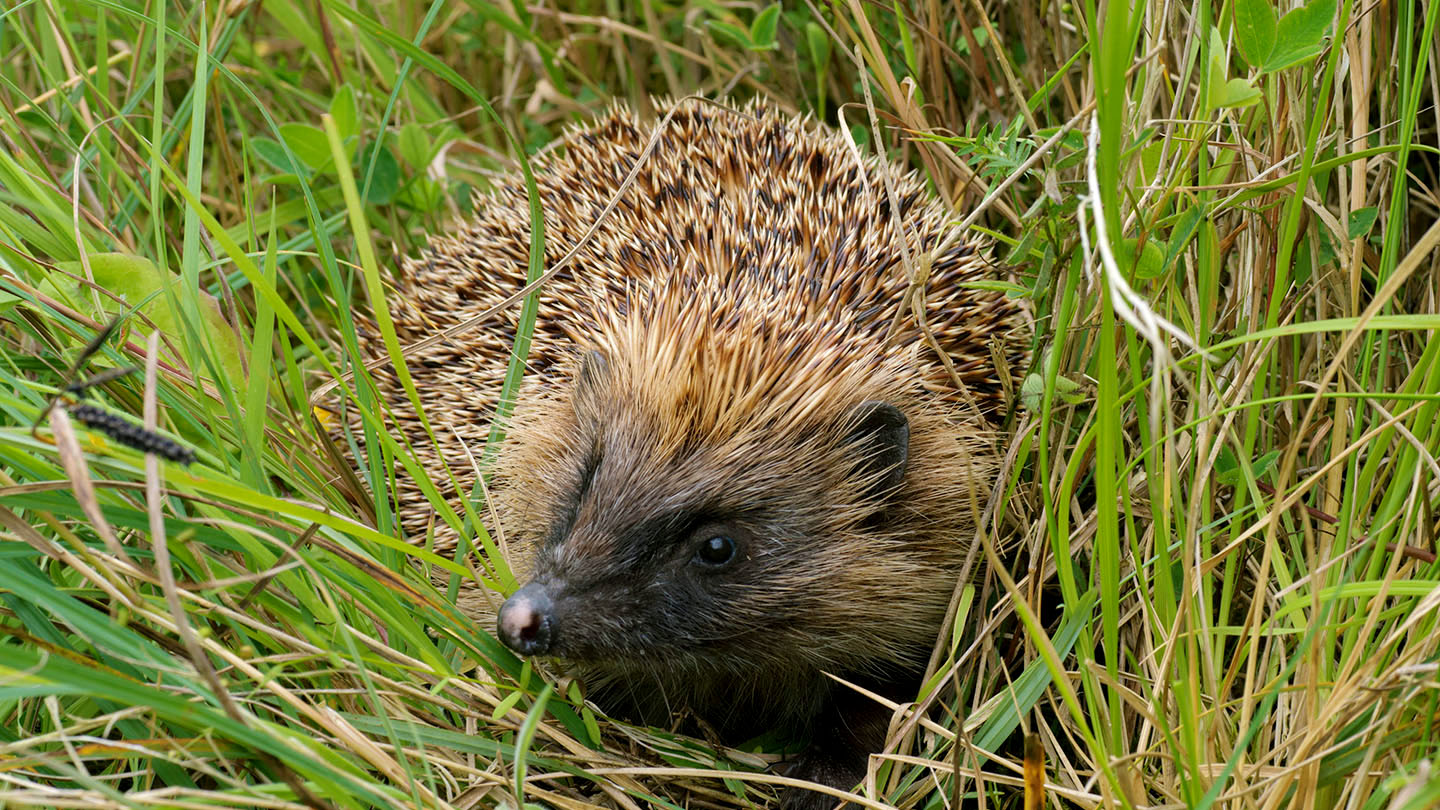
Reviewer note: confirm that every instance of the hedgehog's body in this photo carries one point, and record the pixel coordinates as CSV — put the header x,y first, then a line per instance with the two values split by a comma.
x,y
723,479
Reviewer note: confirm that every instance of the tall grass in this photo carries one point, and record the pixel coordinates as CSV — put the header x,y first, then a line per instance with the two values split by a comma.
x,y
1211,578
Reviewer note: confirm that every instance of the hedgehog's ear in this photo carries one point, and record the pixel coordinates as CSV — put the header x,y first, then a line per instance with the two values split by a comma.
x,y
880,439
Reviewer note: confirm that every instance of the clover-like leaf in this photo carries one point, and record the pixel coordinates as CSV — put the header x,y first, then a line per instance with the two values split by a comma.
x,y
1233,93
1255,30
307,143
1225,92
1360,222
1150,261
1300,35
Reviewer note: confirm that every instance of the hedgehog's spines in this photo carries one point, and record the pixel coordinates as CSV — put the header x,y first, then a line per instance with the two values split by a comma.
x,y
802,223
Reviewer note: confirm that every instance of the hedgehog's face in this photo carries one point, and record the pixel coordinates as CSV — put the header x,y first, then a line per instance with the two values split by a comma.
x,y
663,546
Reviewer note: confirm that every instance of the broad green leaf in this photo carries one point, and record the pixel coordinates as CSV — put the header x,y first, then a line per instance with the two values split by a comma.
x,y
819,45
1255,29
1234,93
273,153
308,143
1227,466
1150,161
1010,288
295,20
1263,464
414,146
1300,35
1032,391
385,180
1360,222
505,705
1223,92
1148,264
137,281
1282,59
422,194
762,30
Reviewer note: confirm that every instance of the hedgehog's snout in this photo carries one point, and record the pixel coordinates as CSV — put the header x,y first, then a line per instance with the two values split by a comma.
x,y
527,620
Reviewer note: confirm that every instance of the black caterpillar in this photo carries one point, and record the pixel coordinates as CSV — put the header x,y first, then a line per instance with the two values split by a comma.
x,y
117,427
130,434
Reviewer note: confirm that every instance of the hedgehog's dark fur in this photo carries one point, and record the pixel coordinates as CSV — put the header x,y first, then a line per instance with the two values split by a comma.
x,y
734,308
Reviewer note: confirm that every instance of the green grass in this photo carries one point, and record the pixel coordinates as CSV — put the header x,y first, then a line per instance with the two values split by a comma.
x,y
1211,575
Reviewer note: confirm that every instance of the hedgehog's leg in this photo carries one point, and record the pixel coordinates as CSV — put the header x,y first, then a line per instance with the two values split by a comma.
x,y
850,729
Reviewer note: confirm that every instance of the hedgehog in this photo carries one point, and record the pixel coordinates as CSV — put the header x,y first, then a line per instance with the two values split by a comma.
x,y
739,464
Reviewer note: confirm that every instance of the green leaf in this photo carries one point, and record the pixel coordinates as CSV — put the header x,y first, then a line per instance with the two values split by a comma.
x,y
1148,264
525,736
415,146
1010,288
294,22
734,33
1283,58
273,153
1359,222
307,143
138,282
385,180
1223,92
762,30
1255,29
422,194
505,705
1263,464
1227,468
1182,233
343,110
1032,391
1234,93
819,45
1300,35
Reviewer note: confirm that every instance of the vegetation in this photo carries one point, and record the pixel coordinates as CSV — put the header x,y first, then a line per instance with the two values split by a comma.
x,y
1208,575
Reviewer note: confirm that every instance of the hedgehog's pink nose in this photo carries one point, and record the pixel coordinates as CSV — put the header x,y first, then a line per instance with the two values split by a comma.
x,y
525,622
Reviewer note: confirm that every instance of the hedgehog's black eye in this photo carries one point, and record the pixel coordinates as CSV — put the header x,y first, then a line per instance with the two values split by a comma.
x,y
716,550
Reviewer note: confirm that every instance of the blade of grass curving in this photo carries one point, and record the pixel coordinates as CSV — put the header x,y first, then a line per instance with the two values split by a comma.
x,y
1022,695
523,738
371,270
261,357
